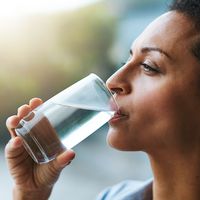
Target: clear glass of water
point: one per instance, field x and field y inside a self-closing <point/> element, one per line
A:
<point x="66" y="119"/>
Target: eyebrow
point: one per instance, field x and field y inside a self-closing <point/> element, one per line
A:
<point x="149" y="49"/>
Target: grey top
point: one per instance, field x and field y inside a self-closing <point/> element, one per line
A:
<point x="128" y="190"/>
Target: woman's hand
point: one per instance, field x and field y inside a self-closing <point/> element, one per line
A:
<point x="32" y="181"/>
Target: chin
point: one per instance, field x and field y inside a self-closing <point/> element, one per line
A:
<point x="118" y="141"/>
<point x="119" y="144"/>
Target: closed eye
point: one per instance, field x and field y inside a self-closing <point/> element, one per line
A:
<point x="149" y="69"/>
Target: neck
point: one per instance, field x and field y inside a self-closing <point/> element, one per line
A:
<point x="176" y="176"/>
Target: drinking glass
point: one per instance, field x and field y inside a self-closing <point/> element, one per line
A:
<point x="66" y="119"/>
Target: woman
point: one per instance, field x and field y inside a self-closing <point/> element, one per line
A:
<point x="159" y="98"/>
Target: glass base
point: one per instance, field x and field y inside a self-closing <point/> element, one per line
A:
<point x="32" y="146"/>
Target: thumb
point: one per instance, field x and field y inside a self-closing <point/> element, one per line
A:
<point x="53" y="169"/>
<point x="63" y="159"/>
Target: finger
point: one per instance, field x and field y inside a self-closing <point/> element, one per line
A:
<point x="14" y="148"/>
<point x="63" y="159"/>
<point x="23" y="111"/>
<point x="35" y="102"/>
<point x="11" y="124"/>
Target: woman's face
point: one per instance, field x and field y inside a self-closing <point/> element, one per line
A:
<point x="158" y="89"/>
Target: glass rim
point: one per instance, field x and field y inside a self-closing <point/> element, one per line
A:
<point x="104" y="84"/>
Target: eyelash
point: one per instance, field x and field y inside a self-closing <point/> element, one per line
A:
<point x="147" y="68"/>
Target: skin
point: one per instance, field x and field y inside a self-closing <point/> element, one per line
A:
<point x="160" y="106"/>
<point x="159" y="101"/>
<point x="32" y="181"/>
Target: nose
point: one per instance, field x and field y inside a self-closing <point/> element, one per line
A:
<point x="119" y="83"/>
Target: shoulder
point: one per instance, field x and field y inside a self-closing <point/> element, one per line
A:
<point x="128" y="190"/>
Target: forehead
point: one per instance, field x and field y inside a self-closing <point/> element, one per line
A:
<point x="171" y="31"/>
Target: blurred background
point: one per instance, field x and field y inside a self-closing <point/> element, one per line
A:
<point x="47" y="45"/>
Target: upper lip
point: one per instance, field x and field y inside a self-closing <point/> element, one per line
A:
<point x="120" y="112"/>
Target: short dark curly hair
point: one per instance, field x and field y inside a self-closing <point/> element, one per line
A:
<point x="191" y="9"/>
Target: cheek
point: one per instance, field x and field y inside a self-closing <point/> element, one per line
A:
<point x="157" y="111"/>
<point x="145" y="107"/>
<point x="155" y="107"/>
<point x="152" y="97"/>
<point x="159" y="94"/>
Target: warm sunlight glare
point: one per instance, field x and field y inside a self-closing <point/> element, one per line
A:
<point x="14" y="8"/>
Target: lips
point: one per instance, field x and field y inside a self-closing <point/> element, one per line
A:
<point x="118" y="116"/>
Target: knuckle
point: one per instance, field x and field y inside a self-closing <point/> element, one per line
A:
<point x="25" y="106"/>
<point x="11" y="122"/>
